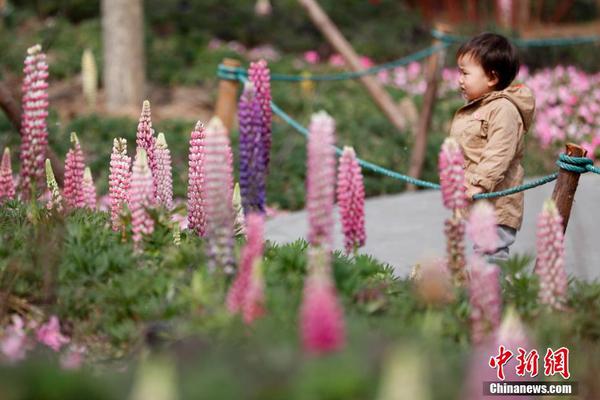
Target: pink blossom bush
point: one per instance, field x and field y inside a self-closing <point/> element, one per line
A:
<point x="164" y="177"/>
<point x="351" y="200"/>
<point x="73" y="192"/>
<point x="196" y="177"/>
<point x="551" y="258"/>
<point x="13" y="342"/>
<point x="320" y="180"/>
<point x="34" y="129"/>
<point x="118" y="181"/>
<point x="141" y="195"/>
<point x="7" y="185"/>
<point x="49" y="334"/>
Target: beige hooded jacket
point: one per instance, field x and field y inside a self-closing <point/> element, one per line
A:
<point x="490" y="132"/>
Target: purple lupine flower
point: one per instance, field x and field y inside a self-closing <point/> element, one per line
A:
<point x="141" y="198"/>
<point x="452" y="175"/>
<point x="322" y="326"/>
<point x="7" y="185"/>
<point x="74" y="170"/>
<point x="164" y="177"/>
<point x="56" y="201"/>
<point x="252" y="151"/>
<point x="145" y="139"/>
<point x="118" y="181"/>
<point x="89" y="190"/>
<point x="34" y="130"/>
<point x="551" y="257"/>
<point x="485" y="298"/>
<point x="320" y="180"/>
<point x="481" y="228"/>
<point x="195" y="195"/>
<point x="260" y="76"/>
<point x="351" y="200"/>
<point x="218" y="193"/>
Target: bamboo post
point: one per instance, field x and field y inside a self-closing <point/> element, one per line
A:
<point x="434" y="64"/>
<point x="342" y="46"/>
<point x="566" y="185"/>
<point x="226" y="107"/>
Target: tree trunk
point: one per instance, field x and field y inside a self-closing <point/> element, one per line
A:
<point x="124" y="61"/>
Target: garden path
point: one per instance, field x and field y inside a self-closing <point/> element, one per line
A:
<point x="407" y="228"/>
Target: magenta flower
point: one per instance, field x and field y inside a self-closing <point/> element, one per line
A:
<point x="13" y="343"/>
<point x="7" y="185"/>
<point x="49" y="334"/>
<point x="551" y="257"/>
<point x="118" y="181"/>
<point x="145" y="139"/>
<point x="260" y="76"/>
<point x="195" y="196"/>
<point x="164" y="177"/>
<point x="251" y="254"/>
<point x="74" y="169"/>
<point x="141" y="198"/>
<point x="452" y="175"/>
<point x="311" y="57"/>
<point x="34" y="130"/>
<point x="320" y="180"/>
<point x="218" y="193"/>
<point x="481" y="228"/>
<point x="89" y="190"/>
<point x="485" y="298"/>
<point x="321" y="316"/>
<point x="351" y="200"/>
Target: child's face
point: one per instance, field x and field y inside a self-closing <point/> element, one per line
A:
<point x="473" y="80"/>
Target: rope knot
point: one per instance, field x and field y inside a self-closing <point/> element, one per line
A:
<point x="580" y="165"/>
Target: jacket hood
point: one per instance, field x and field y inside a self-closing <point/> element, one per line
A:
<point x="522" y="97"/>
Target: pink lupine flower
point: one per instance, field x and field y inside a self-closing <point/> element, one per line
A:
<point x="454" y="229"/>
<point x="311" y="57"/>
<point x="7" y="185"/>
<point x="141" y="198"/>
<point x="13" y="343"/>
<point x="74" y="170"/>
<point x="218" y="193"/>
<point x="195" y="195"/>
<point x="145" y="139"/>
<point x="366" y="62"/>
<point x="56" y="201"/>
<point x="485" y="298"/>
<point x="351" y="200"/>
<point x="260" y="76"/>
<point x="321" y="316"/>
<point x="73" y="358"/>
<point x="551" y="257"/>
<point x="118" y="181"/>
<point x="254" y="302"/>
<point x="34" y="130"/>
<point x="320" y="180"/>
<point x="452" y="175"/>
<point x="251" y="253"/>
<point x="481" y="228"/>
<point x="49" y="334"/>
<point x="164" y="178"/>
<point x="337" y="60"/>
<point x="89" y="190"/>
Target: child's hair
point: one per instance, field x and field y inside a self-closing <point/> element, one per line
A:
<point x="496" y="54"/>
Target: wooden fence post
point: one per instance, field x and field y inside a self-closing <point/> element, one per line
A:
<point x="226" y="107"/>
<point x="566" y="185"/>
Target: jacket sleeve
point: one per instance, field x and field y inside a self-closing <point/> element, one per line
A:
<point x="504" y="134"/>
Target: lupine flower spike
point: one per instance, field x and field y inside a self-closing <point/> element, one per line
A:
<point x="56" y="201"/>
<point x="320" y="180"/>
<point x="118" y="181"/>
<point x="7" y="185"/>
<point x="252" y="151"/>
<point x="218" y="194"/>
<point x="551" y="258"/>
<point x="485" y="298"/>
<point x="34" y="130"/>
<point x="164" y="177"/>
<point x="321" y="316"/>
<point x="89" y="189"/>
<point x="481" y="228"/>
<point x="74" y="170"/>
<point x="246" y="292"/>
<point x="141" y="196"/>
<point x="145" y="139"/>
<point x="351" y="200"/>
<point x="260" y="76"/>
<point x="195" y="196"/>
<point x="454" y="198"/>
